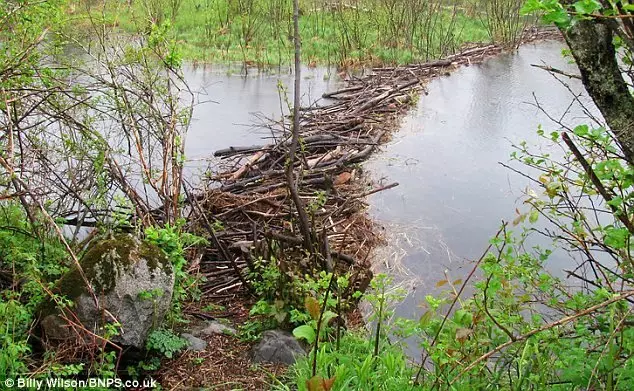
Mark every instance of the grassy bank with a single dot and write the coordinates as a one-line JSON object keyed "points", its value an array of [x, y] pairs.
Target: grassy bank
{"points": [[258, 32]]}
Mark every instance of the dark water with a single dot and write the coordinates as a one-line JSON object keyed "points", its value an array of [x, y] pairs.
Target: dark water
{"points": [[453, 194]]}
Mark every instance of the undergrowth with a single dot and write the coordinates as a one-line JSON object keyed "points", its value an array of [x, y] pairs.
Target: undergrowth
{"points": [[31, 260]]}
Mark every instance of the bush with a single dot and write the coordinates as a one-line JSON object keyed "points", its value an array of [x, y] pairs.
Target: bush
{"points": [[30, 260]]}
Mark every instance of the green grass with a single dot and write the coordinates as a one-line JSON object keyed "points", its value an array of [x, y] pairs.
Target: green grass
{"points": [[258, 31]]}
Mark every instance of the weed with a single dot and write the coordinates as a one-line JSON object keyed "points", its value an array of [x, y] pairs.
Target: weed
{"points": [[165, 342], [174, 242]]}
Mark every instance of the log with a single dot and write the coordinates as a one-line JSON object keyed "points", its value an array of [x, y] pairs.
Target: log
{"points": [[341, 91], [252, 160], [238, 150]]}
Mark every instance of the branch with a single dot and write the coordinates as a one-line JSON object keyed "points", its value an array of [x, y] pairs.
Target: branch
{"points": [[290, 176], [455, 300], [597, 182], [555, 70]]}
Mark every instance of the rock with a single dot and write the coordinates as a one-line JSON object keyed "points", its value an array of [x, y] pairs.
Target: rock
{"points": [[133, 281], [215, 327], [195, 344], [277, 346]]}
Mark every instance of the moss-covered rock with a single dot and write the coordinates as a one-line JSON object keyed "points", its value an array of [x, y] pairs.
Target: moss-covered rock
{"points": [[133, 281]]}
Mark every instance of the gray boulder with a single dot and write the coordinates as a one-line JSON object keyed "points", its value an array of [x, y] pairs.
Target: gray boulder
{"points": [[277, 346], [133, 281]]}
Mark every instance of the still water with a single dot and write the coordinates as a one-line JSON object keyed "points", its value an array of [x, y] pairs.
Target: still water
{"points": [[453, 193]]}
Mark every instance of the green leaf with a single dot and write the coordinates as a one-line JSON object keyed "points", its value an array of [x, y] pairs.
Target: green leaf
{"points": [[327, 317], [531, 6], [581, 130], [587, 6], [559, 17], [616, 237], [495, 285], [305, 332], [616, 202], [533, 216], [425, 319], [463, 318]]}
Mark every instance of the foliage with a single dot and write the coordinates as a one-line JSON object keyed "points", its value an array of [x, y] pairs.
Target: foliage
{"points": [[32, 263], [284, 296], [15, 319], [352, 362], [64, 126], [165, 342], [319, 321], [354, 366], [503, 310], [174, 243], [286, 300], [563, 14], [593, 350], [83, 143]]}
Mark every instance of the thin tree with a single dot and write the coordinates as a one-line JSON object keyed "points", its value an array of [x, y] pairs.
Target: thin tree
{"points": [[290, 167]]}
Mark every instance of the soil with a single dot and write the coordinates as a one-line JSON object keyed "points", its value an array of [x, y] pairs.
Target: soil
{"points": [[225, 364]]}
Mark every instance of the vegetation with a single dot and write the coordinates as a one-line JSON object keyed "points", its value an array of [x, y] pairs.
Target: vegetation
{"points": [[98, 140], [165, 342], [77, 137], [260, 32]]}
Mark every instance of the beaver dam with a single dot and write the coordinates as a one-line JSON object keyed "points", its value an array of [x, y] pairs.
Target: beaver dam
{"points": [[246, 203]]}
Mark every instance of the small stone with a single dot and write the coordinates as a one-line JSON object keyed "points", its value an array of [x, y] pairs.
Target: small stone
{"points": [[215, 327], [195, 344], [279, 347]]}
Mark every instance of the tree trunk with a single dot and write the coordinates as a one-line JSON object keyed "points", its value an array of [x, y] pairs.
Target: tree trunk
{"points": [[591, 44]]}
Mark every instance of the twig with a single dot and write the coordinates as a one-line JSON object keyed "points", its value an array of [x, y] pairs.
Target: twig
{"points": [[597, 182], [550, 69]]}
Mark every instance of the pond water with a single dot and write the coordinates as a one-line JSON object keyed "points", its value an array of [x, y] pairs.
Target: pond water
{"points": [[453, 193]]}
